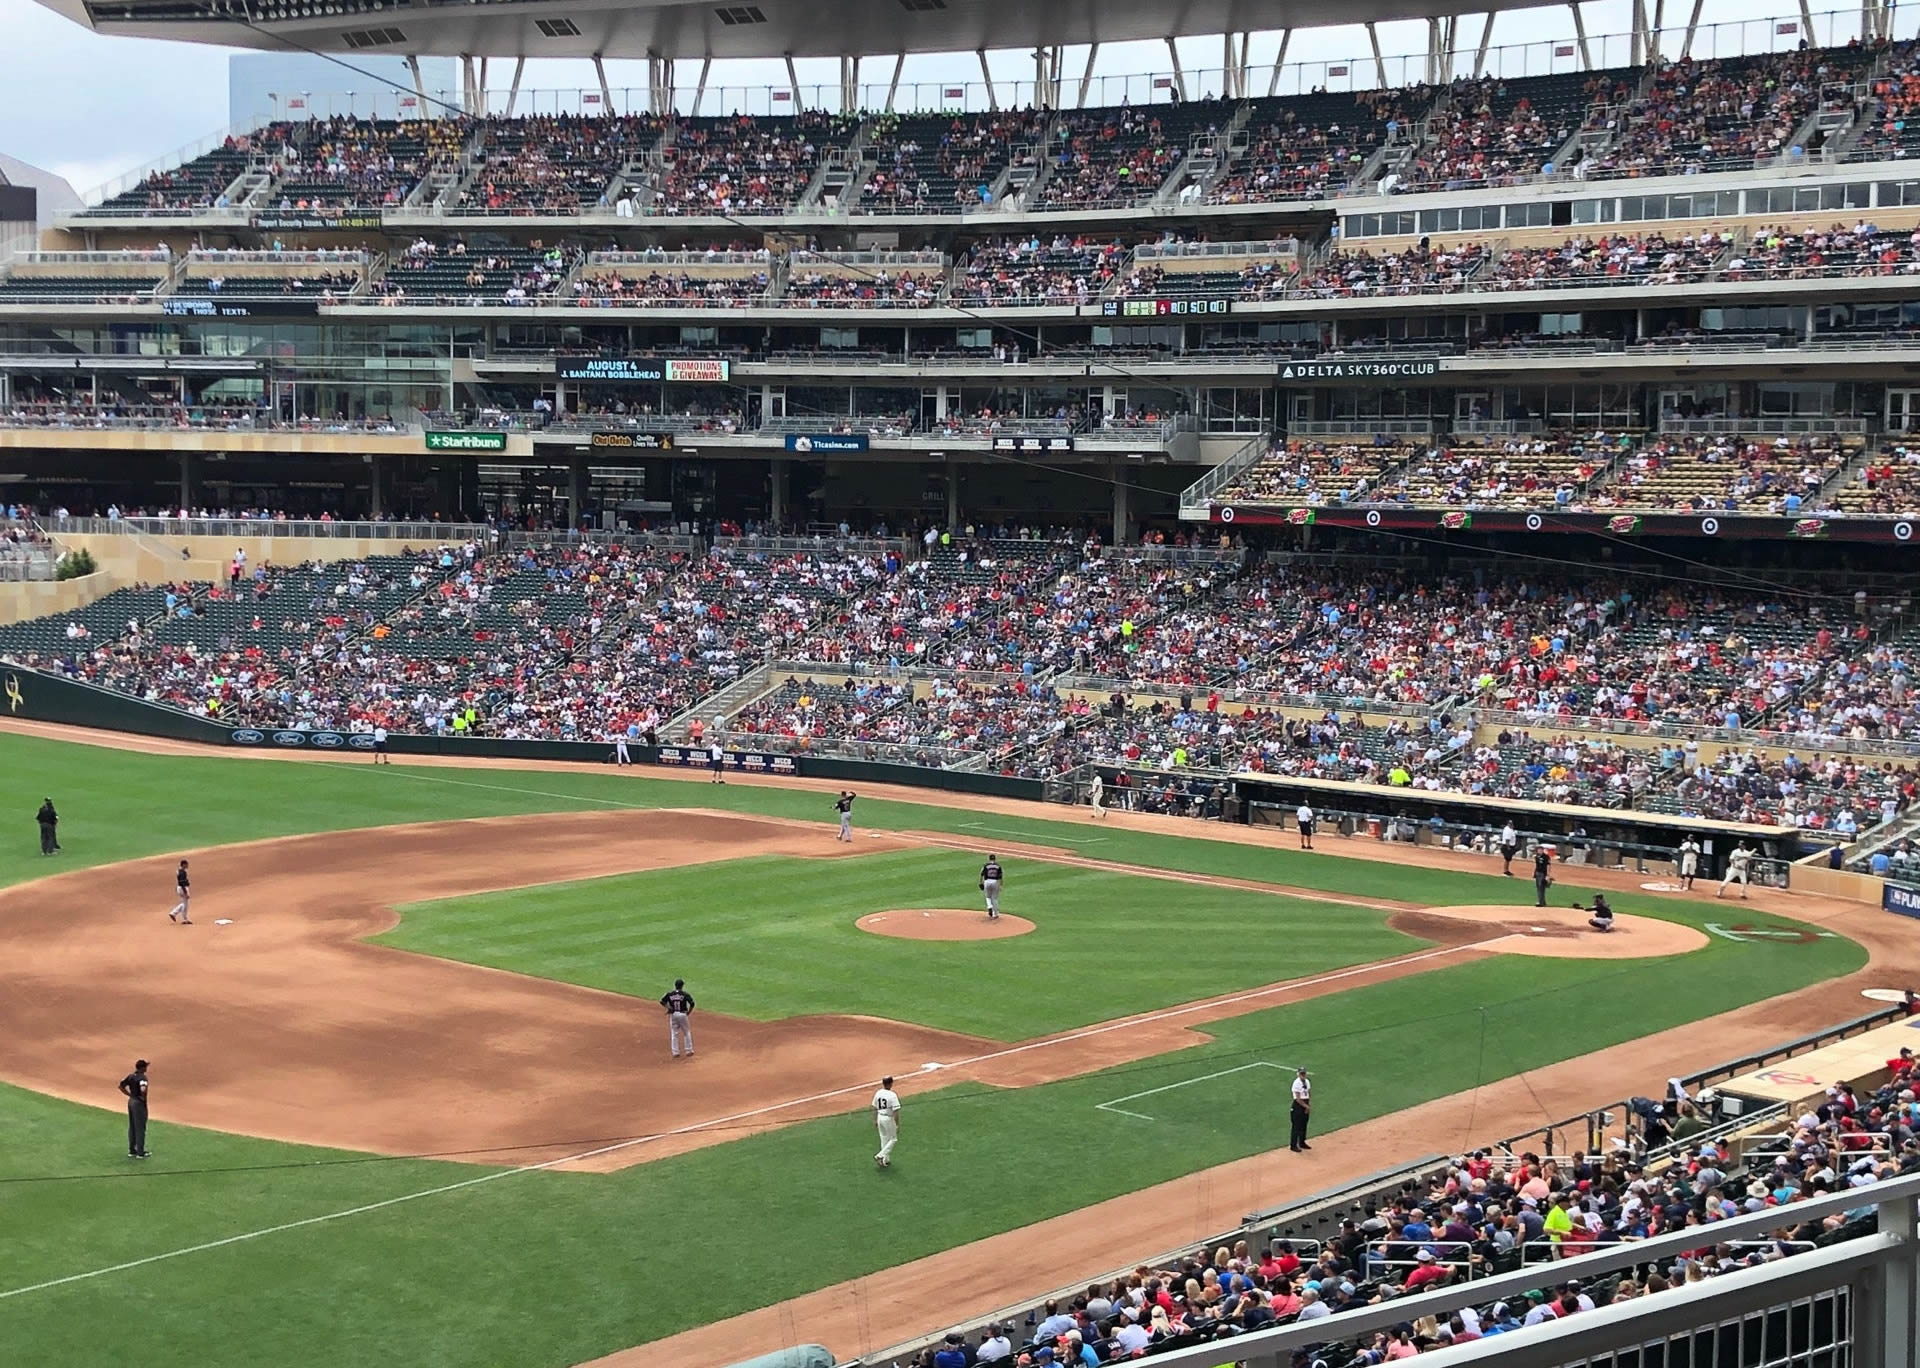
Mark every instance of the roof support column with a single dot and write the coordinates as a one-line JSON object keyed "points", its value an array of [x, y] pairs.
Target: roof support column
{"points": [[700, 91], [1580, 35], [1179, 76], [1226, 68], [419, 85], [1693, 25], [513, 95], [480, 90], [1653, 34], [1379, 62], [1486, 41], [1040, 99], [606, 91], [993, 97], [893, 86], [849, 84], [1056, 74], [466, 84], [1086, 76], [793, 83], [1436, 41], [1279, 61]]}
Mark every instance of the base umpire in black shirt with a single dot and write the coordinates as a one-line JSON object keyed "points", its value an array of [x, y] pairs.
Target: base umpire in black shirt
{"points": [[134, 1087], [48, 820]]}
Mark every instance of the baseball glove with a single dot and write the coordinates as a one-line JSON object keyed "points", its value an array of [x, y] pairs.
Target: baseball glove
{"points": [[983, 885]]}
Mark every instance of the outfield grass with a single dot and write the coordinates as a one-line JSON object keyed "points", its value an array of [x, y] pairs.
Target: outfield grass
{"points": [[548, 1269], [774, 936]]}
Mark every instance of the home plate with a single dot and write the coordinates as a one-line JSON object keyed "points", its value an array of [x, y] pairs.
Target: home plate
{"points": [[223, 921]]}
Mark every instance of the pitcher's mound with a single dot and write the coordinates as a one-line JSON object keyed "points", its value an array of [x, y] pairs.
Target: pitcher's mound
{"points": [[1551, 932], [943, 924]]}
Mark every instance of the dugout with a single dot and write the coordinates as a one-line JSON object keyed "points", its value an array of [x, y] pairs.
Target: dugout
{"points": [[1608, 837]]}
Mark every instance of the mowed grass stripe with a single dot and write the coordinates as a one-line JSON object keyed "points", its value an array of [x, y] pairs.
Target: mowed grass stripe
{"points": [[768, 937], [552, 1269], [565, 1253]]}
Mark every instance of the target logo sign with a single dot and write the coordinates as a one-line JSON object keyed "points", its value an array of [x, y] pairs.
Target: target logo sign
{"points": [[1710, 526], [1226, 515], [1373, 517], [1535, 522], [1903, 531]]}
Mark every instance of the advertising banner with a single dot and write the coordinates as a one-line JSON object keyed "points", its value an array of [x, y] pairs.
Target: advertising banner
{"points": [[750, 762], [826, 441], [632, 441]]}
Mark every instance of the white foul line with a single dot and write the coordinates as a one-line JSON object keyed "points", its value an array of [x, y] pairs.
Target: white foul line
{"points": [[1027, 835], [1114, 1106], [1087, 1033]]}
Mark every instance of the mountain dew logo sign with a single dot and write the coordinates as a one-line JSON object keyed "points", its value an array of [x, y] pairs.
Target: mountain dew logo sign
{"points": [[1623, 524], [1302, 517], [1810, 527], [1456, 522]]}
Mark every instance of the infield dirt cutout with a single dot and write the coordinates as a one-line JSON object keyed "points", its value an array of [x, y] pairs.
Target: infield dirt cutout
{"points": [[943, 924], [290, 1024], [1553, 932]]}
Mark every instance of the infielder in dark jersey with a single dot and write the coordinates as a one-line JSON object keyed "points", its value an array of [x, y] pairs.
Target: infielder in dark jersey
{"points": [[134, 1088], [184, 886], [990, 876], [679, 1005]]}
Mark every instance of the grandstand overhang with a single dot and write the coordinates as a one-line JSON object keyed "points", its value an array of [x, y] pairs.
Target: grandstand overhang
{"points": [[721, 29]]}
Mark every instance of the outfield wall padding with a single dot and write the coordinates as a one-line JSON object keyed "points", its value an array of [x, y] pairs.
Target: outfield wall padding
{"points": [[31, 695], [54, 698]]}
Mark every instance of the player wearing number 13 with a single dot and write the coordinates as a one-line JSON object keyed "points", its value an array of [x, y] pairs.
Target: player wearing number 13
{"points": [[886, 1119]]}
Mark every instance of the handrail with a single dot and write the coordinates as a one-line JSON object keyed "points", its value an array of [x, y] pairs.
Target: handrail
{"points": [[436, 532]]}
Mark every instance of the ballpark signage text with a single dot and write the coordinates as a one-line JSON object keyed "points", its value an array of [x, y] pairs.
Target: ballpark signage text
{"points": [[700, 372], [826, 441], [633, 441], [298, 222], [622, 370], [1029, 443], [1417, 517], [753, 762], [1901, 898], [466, 441], [1384, 369]]}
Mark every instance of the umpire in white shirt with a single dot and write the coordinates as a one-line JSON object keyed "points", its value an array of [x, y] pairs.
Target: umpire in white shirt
{"points": [[1302, 1108]]}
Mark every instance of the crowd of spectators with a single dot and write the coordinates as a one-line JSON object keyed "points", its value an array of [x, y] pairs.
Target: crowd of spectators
{"points": [[1065, 270], [1632, 259], [1724, 115], [904, 289], [1428, 268], [1484, 135], [1795, 254], [1104, 157], [610, 289], [745, 165], [554, 163], [1729, 473], [1493, 1211], [1291, 156], [330, 163]]}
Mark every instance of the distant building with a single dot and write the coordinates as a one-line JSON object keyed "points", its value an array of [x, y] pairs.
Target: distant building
{"points": [[265, 86], [50, 195]]}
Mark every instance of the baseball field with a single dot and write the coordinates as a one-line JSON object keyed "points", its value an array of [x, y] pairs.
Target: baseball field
{"points": [[413, 1104]]}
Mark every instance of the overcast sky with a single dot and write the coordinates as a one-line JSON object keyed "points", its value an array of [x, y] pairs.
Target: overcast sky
{"points": [[90, 108]]}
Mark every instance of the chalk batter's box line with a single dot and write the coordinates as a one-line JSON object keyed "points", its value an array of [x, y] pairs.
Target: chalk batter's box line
{"points": [[1115, 1107]]}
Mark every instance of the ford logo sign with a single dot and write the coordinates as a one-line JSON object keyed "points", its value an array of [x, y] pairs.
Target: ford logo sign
{"points": [[289, 738], [245, 736], [329, 740], [359, 741]]}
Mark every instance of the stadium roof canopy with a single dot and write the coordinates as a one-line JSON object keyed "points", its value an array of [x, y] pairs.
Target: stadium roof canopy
{"points": [[722, 29]]}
